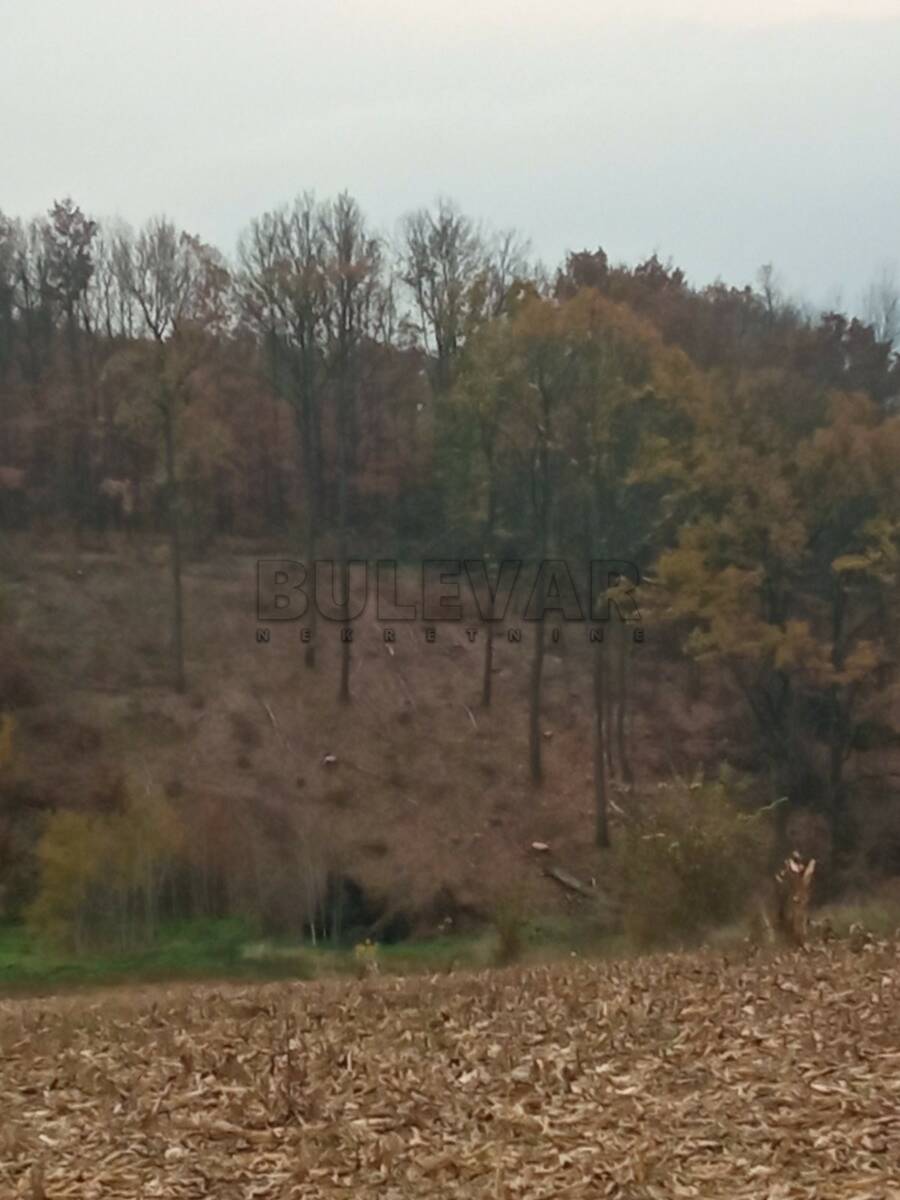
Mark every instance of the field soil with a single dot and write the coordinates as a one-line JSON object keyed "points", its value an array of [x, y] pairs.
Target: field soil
{"points": [[670, 1076]]}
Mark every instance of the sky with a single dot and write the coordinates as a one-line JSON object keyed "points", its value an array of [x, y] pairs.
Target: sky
{"points": [[722, 134]]}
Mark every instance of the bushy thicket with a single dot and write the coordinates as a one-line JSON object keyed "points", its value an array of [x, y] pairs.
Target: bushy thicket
{"points": [[102, 875], [691, 860], [114, 877]]}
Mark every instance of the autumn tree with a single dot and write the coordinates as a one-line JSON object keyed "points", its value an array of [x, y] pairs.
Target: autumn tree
{"points": [[602, 393], [102, 875], [549, 369], [784, 567]]}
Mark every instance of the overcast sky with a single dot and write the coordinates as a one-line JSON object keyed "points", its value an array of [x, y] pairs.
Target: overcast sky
{"points": [[722, 133]]}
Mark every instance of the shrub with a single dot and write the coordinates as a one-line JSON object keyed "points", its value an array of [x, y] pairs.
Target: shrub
{"points": [[691, 860]]}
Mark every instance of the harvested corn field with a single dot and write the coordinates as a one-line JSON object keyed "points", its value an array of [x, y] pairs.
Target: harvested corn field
{"points": [[659, 1077]]}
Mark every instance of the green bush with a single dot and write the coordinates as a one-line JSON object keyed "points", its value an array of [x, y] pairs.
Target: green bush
{"points": [[691, 860]]}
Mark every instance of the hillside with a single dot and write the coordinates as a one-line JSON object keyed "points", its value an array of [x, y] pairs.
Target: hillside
{"points": [[427, 807], [409, 808]]}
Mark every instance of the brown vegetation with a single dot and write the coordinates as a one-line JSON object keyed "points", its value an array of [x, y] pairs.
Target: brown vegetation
{"points": [[668, 1076]]}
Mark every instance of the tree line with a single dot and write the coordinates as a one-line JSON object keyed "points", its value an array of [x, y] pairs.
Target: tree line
{"points": [[436, 391]]}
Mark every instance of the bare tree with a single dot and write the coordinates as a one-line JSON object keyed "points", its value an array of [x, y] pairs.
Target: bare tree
{"points": [[601, 739], [770, 290], [881, 306], [68, 238], [178, 285], [10, 239], [506, 269], [543, 490], [284, 294], [32, 299], [441, 259], [352, 272], [109, 308]]}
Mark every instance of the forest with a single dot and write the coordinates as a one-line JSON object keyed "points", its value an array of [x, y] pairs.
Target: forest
{"points": [[332, 392]]}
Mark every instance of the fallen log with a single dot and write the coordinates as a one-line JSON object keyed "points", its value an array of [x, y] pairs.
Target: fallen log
{"points": [[569, 881], [572, 884]]}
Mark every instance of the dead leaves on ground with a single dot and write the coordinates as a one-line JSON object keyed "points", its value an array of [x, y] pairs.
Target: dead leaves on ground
{"points": [[676, 1076]]}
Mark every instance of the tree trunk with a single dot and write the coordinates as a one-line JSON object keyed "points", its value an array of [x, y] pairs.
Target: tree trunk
{"points": [[622, 702], [487, 677], [79, 450], [173, 516], [608, 702], [343, 436], [310, 452], [840, 732], [537, 665], [346, 631], [601, 780], [534, 704]]}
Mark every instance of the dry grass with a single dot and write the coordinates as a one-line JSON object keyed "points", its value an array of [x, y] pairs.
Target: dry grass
{"points": [[445, 793], [661, 1077]]}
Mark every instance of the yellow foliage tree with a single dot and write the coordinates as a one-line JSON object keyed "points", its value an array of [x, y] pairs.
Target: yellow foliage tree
{"points": [[789, 566], [101, 875]]}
